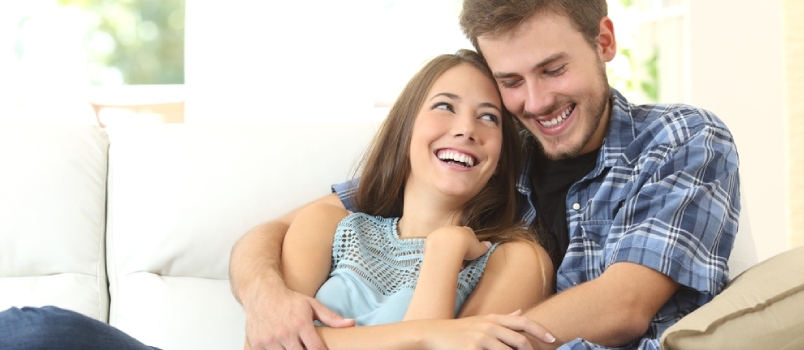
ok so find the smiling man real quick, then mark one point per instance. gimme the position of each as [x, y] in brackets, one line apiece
[637, 204]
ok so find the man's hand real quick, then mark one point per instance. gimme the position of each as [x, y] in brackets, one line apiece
[276, 317]
[488, 332]
[284, 320]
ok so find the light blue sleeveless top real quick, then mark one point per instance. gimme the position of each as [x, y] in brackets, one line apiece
[374, 272]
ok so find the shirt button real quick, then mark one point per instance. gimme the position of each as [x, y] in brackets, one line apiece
[576, 206]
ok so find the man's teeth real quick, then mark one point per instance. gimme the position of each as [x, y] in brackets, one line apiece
[457, 157]
[557, 120]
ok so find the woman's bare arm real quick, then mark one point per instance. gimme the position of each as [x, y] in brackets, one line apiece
[502, 289]
[307, 250]
[445, 252]
[518, 275]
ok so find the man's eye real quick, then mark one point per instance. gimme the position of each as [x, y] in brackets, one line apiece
[445, 106]
[510, 83]
[557, 71]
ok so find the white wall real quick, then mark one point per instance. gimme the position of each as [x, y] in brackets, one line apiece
[736, 71]
[253, 61]
[794, 75]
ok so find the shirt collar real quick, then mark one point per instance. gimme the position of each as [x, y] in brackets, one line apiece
[621, 133]
[621, 130]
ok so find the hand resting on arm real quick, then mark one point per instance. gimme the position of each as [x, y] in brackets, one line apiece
[503, 289]
[276, 317]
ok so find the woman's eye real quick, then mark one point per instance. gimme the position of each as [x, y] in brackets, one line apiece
[491, 117]
[445, 106]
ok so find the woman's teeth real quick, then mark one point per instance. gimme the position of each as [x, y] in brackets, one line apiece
[456, 157]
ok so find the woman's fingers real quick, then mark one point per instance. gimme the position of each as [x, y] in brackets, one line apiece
[515, 321]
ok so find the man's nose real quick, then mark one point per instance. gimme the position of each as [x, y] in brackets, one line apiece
[538, 101]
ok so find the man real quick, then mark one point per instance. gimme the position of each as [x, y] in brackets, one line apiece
[638, 205]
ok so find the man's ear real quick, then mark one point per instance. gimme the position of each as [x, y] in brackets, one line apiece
[606, 43]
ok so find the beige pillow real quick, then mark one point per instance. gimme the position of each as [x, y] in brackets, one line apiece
[762, 308]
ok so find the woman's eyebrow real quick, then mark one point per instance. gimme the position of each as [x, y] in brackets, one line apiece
[490, 105]
[447, 94]
[458, 98]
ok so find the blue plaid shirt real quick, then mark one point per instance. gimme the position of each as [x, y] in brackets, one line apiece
[663, 194]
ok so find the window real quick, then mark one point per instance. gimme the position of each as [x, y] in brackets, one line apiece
[652, 45]
[58, 56]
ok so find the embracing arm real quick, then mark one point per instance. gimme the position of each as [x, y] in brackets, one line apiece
[502, 289]
[275, 315]
[680, 223]
[610, 310]
[478, 332]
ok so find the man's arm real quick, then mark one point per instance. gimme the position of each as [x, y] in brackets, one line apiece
[478, 332]
[675, 228]
[275, 315]
[610, 310]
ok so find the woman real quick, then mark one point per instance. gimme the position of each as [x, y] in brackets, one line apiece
[439, 180]
[436, 210]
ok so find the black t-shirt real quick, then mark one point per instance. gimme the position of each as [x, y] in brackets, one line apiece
[551, 180]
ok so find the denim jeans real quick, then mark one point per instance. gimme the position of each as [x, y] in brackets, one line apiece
[54, 328]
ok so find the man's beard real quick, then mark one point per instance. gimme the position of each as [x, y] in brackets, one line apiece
[595, 109]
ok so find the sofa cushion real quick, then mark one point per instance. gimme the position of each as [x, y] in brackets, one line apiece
[763, 308]
[52, 217]
[179, 198]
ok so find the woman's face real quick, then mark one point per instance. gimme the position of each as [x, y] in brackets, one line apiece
[457, 136]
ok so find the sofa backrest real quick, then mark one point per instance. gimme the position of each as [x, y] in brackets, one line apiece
[744, 253]
[179, 198]
[52, 217]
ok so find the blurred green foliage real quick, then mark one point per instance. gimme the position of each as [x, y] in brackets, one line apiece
[143, 40]
[646, 78]
[650, 82]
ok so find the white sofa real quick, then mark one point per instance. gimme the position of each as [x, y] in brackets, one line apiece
[134, 226]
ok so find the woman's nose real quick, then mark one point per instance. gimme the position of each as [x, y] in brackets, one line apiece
[465, 127]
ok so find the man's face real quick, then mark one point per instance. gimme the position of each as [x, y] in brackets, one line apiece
[554, 81]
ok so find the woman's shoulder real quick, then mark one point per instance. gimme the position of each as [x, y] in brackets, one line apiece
[521, 253]
[323, 211]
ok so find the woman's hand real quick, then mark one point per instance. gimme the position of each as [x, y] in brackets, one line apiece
[456, 241]
[445, 251]
[487, 332]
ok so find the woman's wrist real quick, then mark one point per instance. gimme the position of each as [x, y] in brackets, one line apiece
[445, 249]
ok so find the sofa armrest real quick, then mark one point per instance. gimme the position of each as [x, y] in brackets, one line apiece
[762, 308]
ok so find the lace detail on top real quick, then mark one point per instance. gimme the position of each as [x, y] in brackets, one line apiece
[371, 248]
